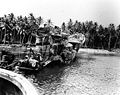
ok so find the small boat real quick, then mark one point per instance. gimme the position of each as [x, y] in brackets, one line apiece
[15, 84]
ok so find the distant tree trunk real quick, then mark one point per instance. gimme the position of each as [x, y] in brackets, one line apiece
[116, 42]
[4, 40]
[87, 36]
[102, 40]
[1, 34]
[109, 48]
[22, 36]
[22, 40]
[13, 36]
[9, 37]
[29, 39]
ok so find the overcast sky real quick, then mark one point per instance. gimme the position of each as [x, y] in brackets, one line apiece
[102, 11]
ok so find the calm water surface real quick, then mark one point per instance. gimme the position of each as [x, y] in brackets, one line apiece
[89, 75]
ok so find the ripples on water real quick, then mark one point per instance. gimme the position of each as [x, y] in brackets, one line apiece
[61, 80]
[89, 75]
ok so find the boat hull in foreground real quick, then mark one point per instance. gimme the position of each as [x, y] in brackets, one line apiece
[25, 86]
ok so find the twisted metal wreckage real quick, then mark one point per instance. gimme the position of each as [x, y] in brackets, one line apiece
[50, 48]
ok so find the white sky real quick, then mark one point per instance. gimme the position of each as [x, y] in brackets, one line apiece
[102, 11]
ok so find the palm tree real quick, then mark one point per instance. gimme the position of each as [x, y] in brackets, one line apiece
[76, 26]
[100, 35]
[111, 29]
[63, 27]
[117, 35]
[34, 24]
[1, 29]
[49, 23]
[21, 30]
[39, 21]
[70, 24]
[8, 29]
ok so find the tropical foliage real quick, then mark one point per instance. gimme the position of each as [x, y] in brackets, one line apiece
[21, 30]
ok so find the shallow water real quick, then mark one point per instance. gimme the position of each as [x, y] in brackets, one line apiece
[89, 75]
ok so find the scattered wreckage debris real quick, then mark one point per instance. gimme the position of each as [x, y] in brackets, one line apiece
[50, 48]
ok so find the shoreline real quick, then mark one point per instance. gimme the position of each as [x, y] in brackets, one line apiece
[97, 51]
[19, 48]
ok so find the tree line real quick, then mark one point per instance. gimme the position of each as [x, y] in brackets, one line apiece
[20, 29]
[97, 36]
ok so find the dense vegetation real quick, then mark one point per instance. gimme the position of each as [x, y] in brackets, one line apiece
[21, 29]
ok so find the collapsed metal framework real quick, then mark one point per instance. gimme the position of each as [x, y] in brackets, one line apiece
[50, 47]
